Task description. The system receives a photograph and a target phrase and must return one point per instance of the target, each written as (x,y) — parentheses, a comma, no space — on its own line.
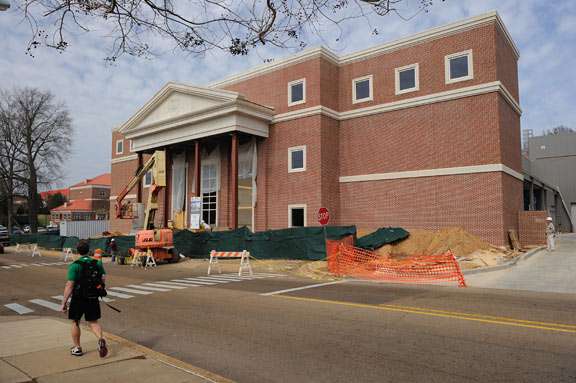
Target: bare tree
(195,26)
(40,130)
(12,168)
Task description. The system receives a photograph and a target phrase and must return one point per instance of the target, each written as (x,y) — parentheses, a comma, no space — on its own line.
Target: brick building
(87,200)
(422,132)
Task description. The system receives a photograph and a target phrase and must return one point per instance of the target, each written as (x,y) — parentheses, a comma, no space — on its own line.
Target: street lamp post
(4,5)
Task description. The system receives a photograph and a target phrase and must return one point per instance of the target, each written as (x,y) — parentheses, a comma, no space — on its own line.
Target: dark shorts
(89,308)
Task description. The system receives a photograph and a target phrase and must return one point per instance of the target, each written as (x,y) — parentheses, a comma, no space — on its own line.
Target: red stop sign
(323,216)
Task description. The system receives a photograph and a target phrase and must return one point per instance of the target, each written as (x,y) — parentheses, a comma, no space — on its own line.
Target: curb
(168,360)
(506,265)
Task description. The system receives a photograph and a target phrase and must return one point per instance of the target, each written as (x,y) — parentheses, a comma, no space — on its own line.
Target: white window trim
(295,149)
(122,144)
(295,82)
(296,206)
(470,66)
(144,184)
(416,87)
(215,162)
(370,78)
(131,146)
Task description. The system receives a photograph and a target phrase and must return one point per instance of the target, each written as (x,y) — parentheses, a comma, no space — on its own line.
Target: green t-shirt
(75,270)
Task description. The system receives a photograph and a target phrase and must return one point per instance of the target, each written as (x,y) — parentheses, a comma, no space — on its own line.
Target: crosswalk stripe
(119,295)
(45,264)
(185,284)
(192,280)
(18,308)
(165,286)
(133,291)
(58,297)
(47,304)
(24,264)
(148,288)
(220,279)
(6,267)
(16,266)
(37,264)
(228,278)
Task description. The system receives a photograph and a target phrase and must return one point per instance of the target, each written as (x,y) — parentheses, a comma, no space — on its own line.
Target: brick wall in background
(532,227)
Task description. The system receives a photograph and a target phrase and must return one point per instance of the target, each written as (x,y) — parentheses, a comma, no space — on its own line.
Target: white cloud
(101,97)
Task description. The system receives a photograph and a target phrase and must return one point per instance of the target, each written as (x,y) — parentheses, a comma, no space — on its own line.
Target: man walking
(550,234)
(85,281)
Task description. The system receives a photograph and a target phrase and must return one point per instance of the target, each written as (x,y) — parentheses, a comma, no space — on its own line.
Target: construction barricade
(244,260)
(346,260)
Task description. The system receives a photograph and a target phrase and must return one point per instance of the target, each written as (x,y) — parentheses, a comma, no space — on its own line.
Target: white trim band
(434,173)
(124,159)
(128,196)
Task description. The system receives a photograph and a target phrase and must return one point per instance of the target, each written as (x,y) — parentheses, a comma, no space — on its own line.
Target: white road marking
(119,295)
(165,286)
(185,284)
(24,264)
(16,266)
(302,288)
(132,291)
(58,297)
(47,304)
(37,264)
(148,288)
(6,267)
(221,280)
(227,278)
(18,308)
(193,281)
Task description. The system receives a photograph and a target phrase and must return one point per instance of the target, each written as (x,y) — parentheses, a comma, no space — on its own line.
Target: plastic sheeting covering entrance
(303,243)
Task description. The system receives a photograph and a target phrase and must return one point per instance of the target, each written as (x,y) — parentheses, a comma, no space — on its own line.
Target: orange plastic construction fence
(346,260)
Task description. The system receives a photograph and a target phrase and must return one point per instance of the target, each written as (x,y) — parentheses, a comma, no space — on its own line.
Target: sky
(101,97)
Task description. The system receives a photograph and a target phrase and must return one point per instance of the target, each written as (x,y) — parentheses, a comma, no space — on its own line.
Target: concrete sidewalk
(543,272)
(36,349)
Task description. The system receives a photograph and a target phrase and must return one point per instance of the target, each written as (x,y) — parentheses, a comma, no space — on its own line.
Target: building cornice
(419,38)
(449,95)
(92,186)
(118,160)
(459,170)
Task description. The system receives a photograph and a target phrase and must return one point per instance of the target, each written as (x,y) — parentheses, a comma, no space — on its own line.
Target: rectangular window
(297,159)
(131,146)
(459,67)
(297,92)
(209,175)
(362,89)
(119,147)
(296,215)
(147,179)
(407,79)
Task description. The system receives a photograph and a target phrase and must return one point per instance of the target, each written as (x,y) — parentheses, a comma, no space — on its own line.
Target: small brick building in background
(87,200)
(422,133)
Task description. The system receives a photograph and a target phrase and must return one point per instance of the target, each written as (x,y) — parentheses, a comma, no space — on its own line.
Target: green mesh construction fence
(381,237)
(306,243)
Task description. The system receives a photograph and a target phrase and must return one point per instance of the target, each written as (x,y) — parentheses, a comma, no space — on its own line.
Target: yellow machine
(159,241)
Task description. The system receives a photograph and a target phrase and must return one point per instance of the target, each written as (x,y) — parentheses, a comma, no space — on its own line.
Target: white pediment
(176,105)
(180,113)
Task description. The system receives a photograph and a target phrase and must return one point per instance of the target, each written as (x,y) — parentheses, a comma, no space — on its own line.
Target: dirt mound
(427,242)
(315,270)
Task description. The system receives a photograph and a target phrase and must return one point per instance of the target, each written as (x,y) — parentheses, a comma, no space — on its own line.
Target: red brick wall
(509,128)
(447,134)
(532,227)
(507,65)
(471,201)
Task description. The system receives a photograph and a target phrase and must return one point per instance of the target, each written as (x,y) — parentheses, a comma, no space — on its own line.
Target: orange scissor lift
(158,241)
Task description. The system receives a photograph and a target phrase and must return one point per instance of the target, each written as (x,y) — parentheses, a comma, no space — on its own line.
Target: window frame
(296,82)
(295,149)
(370,79)
(451,56)
(131,146)
(121,151)
(397,72)
(297,206)
(144,184)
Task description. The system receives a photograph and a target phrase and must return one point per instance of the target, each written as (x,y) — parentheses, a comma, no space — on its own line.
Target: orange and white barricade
(244,260)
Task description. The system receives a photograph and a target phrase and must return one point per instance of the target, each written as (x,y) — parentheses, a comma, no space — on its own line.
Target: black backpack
(90,284)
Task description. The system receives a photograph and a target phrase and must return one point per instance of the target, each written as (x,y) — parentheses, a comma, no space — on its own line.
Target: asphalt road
(344,332)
